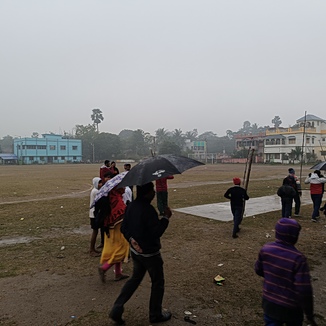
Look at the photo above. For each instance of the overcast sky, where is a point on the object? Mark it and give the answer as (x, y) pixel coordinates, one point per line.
(205, 64)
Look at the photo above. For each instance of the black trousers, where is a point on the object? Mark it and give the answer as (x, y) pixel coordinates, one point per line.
(154, 266)
(297, 201)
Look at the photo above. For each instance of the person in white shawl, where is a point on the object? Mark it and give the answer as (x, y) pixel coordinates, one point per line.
(97, 183)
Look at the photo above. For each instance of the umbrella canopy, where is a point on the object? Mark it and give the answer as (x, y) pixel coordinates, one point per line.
(158, 167)
(319, 166)
(108, 186)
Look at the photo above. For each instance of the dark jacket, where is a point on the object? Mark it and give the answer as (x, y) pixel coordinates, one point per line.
(237, 195)
(286, 191)
(141, 222)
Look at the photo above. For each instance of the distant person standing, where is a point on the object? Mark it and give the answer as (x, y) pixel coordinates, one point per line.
(238, 196)
(127, 167)
(316, 181)
(161, 186)
(287, 193)
(104, 169)
(294, 182)
(114, 170)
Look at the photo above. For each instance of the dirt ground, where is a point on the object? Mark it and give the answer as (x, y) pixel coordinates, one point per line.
(64, 288)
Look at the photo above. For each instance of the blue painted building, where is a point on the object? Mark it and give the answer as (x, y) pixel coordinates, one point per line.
(49, 149)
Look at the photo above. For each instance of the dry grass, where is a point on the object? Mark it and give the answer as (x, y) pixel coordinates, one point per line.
(193, 247)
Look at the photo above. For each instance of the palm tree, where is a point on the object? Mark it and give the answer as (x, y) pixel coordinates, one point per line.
(178, 137)
(192, 135)
(97, 117)
(296, 153)
(161, 135)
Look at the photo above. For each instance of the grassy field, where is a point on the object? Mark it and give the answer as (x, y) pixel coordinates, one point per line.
(44, 212)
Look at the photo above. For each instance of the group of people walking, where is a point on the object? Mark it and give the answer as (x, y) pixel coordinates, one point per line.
(133, 228)
(287, 289)
(130, 228)
(291, 191)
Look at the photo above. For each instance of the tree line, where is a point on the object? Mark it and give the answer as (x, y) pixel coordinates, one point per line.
(136, 144)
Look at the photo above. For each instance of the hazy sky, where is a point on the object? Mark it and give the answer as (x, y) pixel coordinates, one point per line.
(205, 64)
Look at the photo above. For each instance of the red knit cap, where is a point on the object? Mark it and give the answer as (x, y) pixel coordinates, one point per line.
(237, 181)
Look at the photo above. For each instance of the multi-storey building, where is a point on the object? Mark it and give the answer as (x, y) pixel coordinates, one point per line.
(49, 149)
(307, 136)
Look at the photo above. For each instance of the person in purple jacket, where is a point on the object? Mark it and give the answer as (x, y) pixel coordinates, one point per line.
(287, 291)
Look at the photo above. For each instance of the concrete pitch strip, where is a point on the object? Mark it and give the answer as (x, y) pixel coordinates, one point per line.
(254, 206)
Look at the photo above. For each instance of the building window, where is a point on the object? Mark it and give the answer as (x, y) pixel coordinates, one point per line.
(55, 157)
(52, 147)
(31, 158)
(323, 139)
(292, 141)
(42, 158)
(277, 156)
(62, 157)
(62, 147)
(74, 157)
(41, 147)
(313, 140)
(31, 146)
(308, 141)
(74, 148)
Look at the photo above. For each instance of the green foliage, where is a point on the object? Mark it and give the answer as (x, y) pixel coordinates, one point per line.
(169, 147)
(295, 154)
(106, 146)
(7, 144)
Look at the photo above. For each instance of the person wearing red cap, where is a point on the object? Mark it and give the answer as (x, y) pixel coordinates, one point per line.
(237, 195)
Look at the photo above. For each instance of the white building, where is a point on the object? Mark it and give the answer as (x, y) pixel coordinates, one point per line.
(308, 135)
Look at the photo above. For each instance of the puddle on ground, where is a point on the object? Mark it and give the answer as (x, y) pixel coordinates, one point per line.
(13, 241)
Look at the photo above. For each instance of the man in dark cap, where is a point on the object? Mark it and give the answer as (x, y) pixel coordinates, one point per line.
(294, 182)
(237, 195)
(287, 292)
(143, 228)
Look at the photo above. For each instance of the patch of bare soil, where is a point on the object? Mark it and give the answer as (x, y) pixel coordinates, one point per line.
(195, 250)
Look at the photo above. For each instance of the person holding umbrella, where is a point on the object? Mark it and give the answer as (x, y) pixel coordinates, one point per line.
(109, 210)
(143, 229)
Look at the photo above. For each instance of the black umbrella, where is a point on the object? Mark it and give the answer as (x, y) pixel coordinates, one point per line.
(157, 167)
(319, 166)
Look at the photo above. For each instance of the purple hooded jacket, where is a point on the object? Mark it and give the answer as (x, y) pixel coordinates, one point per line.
(287, 288)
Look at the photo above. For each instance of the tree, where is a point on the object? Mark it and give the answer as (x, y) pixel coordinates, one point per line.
(277, 121)
(35, 134)
(107, 146)
(246, 127)
(178, 137)
(207, 135)
(97, 117)
(169, 147)
(192, 135)
(7, 144)
(311, 157)
(295, 154)
(87, 135)
(161, 135)
(229, 134)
